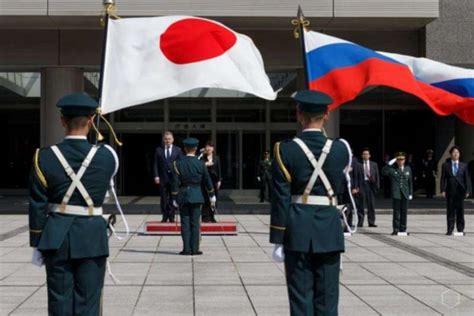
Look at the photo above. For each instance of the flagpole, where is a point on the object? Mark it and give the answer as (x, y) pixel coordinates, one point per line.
(109, 5)
(300, 22)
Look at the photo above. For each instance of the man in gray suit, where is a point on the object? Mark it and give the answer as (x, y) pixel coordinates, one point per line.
(455, 186)
(369, 187)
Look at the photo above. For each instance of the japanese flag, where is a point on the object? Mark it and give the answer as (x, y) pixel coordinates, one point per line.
(148, 59)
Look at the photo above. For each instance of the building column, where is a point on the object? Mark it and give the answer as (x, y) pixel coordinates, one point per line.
(332, 125)
(464, 139)
(55, 83)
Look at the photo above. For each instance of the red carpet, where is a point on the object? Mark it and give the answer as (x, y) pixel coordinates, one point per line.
(220, 228)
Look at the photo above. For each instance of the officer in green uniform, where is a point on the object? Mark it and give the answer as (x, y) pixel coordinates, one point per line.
(305, 224)
(401, 179)
(68, 185)
(265, 175)
(189, 174)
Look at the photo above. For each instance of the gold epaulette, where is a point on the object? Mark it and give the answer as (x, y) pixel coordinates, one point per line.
(175, 167)
(38, 171)
(277, 156)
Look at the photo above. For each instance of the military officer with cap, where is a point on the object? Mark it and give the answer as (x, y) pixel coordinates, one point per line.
(68, 185)
(401, 179)
(189, 174)
(305, 224)
(264, 177)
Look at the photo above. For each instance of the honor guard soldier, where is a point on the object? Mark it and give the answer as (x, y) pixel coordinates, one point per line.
(401, 179)
(189, 174)
(68, 185)
(305, 224)
(265, 176)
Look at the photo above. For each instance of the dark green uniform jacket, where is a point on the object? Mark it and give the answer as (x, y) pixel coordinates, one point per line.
(190, 173)
(401, 182)
(306, 228)
(49, 183)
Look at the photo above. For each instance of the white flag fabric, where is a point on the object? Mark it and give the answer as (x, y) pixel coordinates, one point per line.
(160, 57)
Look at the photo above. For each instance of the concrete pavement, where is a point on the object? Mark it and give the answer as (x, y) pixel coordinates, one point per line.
(426, 273)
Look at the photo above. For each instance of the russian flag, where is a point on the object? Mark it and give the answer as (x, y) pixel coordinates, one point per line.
(343, 70)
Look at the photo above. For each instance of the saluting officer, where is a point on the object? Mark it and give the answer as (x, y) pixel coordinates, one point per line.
(401, 179)
(190, 174)
(68, 185)
(305, 224)
(265, 175)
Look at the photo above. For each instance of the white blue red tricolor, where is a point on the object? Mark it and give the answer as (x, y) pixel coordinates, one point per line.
(343, 70)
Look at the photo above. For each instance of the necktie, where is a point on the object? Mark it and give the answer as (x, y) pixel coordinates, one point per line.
(367, 169)
(168, 152)
(455, 168)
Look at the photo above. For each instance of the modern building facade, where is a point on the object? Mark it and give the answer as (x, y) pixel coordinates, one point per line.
(53, 47)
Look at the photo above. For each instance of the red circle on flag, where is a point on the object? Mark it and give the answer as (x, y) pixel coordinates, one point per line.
(191, 40)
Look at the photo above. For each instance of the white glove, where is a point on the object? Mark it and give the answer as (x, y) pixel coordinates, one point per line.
(258, 178)
(37, 259)
(175, 204)
(278, 253)
(213, 200)
(157, 180)
(410, 197)
(391, 162)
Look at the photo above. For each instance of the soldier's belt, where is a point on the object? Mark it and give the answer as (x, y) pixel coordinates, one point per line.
(76, 210)
(314, 200)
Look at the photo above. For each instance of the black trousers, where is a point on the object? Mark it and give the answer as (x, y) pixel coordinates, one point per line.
(167, 209)
(207, 213)
(400, 209)
(265, 183)
(313, 282)
(455, 211)
(369, 197)
(430, 185)
(74, 285)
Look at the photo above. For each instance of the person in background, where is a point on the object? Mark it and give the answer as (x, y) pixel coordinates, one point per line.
(455, 186)
(428, 173)
(213, 164)
(402, 190)
(370, 186)
(265, 176)
(162, 172)
(410, 162)
(190, 174)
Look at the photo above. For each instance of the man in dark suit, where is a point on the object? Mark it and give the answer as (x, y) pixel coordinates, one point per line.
(370, 186)
(213, 165)
(162, 172)
(455, 186)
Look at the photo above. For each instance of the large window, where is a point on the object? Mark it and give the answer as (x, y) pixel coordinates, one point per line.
(190, 110)
(241, 110)
(150, 112)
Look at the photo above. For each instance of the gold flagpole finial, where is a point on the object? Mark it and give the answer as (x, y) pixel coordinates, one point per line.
(109, 10)
(300, 22)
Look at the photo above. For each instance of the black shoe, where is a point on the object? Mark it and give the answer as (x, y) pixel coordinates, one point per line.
(394, 233)
(213, 220)
(197, 253)
(164, 220)
(372, 225)
(360, 225)
(171, 220)
(185, 253)
(449, 233)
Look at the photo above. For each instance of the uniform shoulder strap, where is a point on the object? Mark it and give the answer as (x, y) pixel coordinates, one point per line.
(38, 171)
(277, 155)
